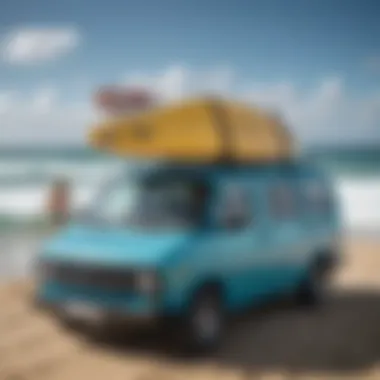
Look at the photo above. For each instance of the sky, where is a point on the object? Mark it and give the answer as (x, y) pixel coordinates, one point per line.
(316, 62)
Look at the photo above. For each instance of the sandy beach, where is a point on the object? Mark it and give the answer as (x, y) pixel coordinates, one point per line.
(339, 340)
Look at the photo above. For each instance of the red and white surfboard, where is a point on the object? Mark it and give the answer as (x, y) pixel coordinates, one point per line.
(124, 100)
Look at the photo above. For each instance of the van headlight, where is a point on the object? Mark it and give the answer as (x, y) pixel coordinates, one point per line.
(147, 282)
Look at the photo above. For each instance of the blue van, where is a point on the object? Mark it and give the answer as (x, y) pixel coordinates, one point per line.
(192, 244)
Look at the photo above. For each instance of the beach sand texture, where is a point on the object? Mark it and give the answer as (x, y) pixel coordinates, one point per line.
(339, 340)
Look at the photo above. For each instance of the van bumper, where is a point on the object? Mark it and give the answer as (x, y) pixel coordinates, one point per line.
(95, 307)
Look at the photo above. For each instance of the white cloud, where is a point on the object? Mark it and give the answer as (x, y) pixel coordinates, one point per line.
(44, 99)
(6, 101)
(37, 45)
(325, 113)
(41, 117)
(177, 82)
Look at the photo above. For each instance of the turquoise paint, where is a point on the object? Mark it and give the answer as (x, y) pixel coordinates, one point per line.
(263, 258)
(114, 246)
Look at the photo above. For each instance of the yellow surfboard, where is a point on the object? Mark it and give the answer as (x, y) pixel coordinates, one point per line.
(199, 130)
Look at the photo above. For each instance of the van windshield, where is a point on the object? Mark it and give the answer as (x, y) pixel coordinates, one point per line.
(156, 203)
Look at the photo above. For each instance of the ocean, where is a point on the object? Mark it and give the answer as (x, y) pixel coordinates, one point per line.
(26, 176)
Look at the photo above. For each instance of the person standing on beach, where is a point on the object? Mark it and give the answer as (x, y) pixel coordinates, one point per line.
(58, 206)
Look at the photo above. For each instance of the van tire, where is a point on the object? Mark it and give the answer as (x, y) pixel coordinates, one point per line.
(71, 325)
(202, 327)
(313, 289)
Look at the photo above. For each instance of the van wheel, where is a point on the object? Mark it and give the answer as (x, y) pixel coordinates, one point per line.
(203, 326)
(71, 325)
(315, 288)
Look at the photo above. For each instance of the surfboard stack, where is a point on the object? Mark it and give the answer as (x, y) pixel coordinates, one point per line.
(200, 130)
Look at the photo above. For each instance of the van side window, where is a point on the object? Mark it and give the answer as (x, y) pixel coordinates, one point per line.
(235, 207)
(318, 198)
(283, 202)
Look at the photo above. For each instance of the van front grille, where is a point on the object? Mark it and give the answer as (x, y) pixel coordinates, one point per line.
(83, 275)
